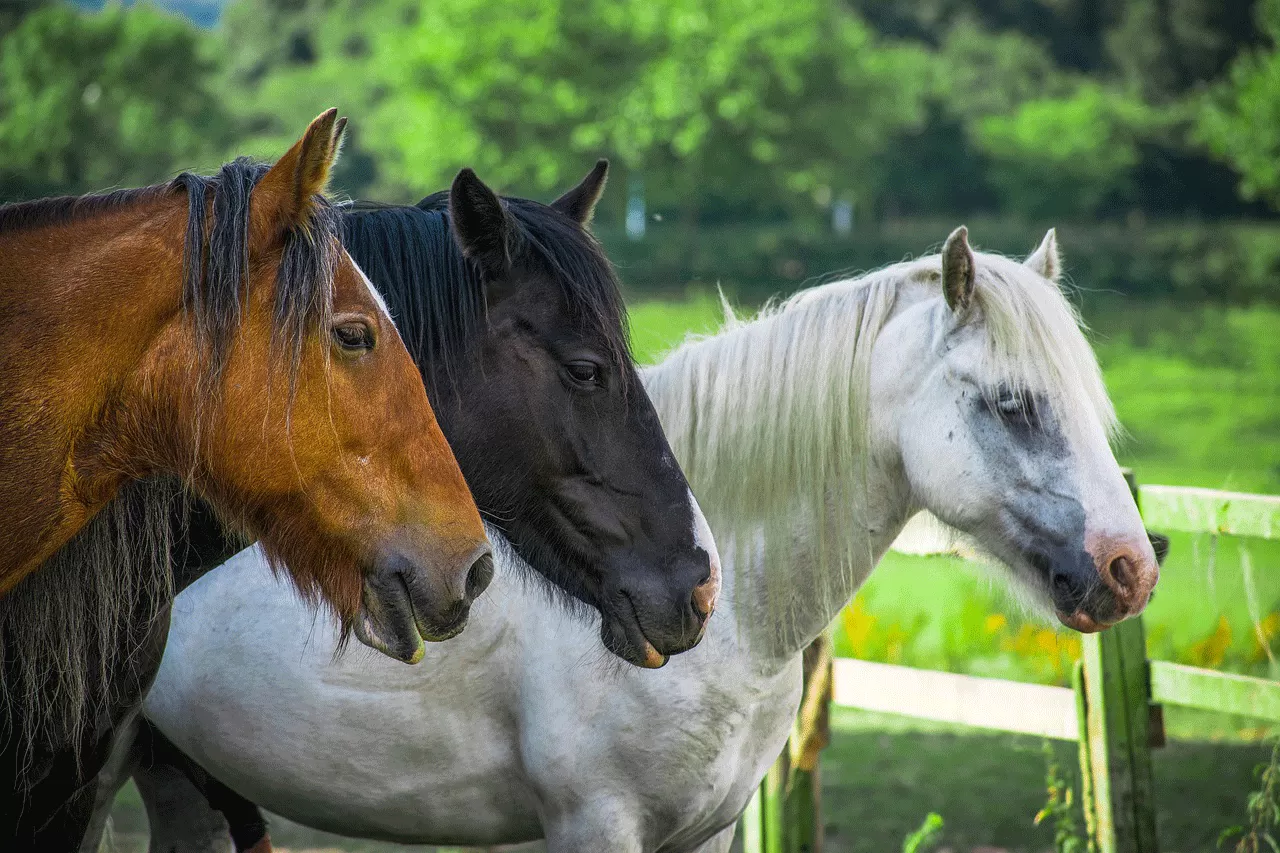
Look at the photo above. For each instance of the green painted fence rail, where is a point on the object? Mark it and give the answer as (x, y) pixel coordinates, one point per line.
(965, 700)
(1190, 510)
(1175, 684)
(1112, 709)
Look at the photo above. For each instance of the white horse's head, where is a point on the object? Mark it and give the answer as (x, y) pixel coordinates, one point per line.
(994, 402)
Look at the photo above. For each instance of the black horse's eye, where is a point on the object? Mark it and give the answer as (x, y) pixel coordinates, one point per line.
(583, 371)
(353, 337)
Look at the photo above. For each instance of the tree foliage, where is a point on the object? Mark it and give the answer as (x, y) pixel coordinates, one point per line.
(112, 99)
(727, 109)
(1240, 121)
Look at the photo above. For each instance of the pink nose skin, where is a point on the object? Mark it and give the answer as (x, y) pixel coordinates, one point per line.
(1128, 568)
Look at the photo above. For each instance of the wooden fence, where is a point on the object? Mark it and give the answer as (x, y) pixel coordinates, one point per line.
(1113, 710)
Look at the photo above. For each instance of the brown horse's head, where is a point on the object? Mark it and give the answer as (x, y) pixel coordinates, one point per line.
(315, 433)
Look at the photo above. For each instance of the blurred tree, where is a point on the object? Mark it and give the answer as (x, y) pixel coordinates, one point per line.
(89, 101)
(1240, 119)
(13, 11)
(742, 99)
(285, 61)
(1065, 156)
(753, 103)
(1021, 78)
(730, 109)
(1163, 48)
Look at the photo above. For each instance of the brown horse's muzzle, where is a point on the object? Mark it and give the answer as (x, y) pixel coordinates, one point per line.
(405, 604)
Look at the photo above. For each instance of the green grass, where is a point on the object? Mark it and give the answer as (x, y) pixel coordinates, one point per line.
(881, 775)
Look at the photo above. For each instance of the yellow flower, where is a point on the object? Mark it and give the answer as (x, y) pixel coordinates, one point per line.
(858, 627)
(1212, 650)
(1268, 628)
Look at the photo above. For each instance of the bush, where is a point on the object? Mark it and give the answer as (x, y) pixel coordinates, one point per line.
(1230, 263)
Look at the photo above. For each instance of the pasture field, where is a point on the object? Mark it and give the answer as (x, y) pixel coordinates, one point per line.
(1198, 392)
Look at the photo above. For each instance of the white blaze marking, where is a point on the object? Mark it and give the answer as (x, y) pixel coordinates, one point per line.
(377, 297)
(702, 538)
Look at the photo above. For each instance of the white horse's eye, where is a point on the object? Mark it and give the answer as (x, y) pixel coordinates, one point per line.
(1015, 406)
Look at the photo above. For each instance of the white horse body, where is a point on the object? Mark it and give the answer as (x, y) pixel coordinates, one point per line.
(518, 721)
(522, 728)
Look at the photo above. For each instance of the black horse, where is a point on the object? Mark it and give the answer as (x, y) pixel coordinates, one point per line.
(515, 318)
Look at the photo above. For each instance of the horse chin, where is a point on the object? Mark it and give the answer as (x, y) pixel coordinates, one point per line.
(386, 623)
(1097, 612)
(624, 638)
(1084, 622)
(401, 648)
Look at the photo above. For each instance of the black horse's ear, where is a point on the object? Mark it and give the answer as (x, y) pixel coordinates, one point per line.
(579, 203)
(481, 225)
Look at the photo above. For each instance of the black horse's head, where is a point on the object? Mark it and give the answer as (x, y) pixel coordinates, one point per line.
(516, 318)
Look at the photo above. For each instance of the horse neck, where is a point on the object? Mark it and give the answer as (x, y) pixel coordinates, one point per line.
(770, 612)
(769, 421)
(89, 316)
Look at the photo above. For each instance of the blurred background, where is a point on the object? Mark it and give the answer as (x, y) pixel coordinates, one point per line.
(760, 147)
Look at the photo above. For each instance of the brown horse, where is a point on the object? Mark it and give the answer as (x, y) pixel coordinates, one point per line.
(208, 336)
(248, 356)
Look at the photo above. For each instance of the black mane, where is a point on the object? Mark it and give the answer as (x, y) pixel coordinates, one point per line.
(59, 210)
(215, 273)
(436, 295)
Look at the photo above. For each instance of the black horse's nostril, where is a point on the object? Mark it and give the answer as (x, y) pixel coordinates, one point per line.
(702, 601)
(480, 575)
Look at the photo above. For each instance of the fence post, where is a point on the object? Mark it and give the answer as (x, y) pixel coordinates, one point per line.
(803, 804)
(1115, 737)
(785, 814)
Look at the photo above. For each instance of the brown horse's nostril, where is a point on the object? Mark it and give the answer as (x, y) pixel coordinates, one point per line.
(480, 575)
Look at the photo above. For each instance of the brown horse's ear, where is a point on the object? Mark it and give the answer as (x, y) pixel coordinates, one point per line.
(285, 197)
(958, 271)
(481, 225)
(1045, 260)
(579, 203)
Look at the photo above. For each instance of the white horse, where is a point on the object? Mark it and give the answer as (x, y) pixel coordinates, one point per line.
(960, 384)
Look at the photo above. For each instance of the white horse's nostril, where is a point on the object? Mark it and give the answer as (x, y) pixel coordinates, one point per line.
(1122, 573)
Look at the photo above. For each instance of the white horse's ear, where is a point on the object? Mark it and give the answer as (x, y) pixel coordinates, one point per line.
(1045, 260)
(958, 271)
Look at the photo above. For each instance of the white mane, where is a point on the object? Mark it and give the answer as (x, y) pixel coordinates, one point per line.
(767, 416)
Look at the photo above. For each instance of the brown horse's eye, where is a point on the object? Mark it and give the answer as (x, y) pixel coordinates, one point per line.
(353, 337)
